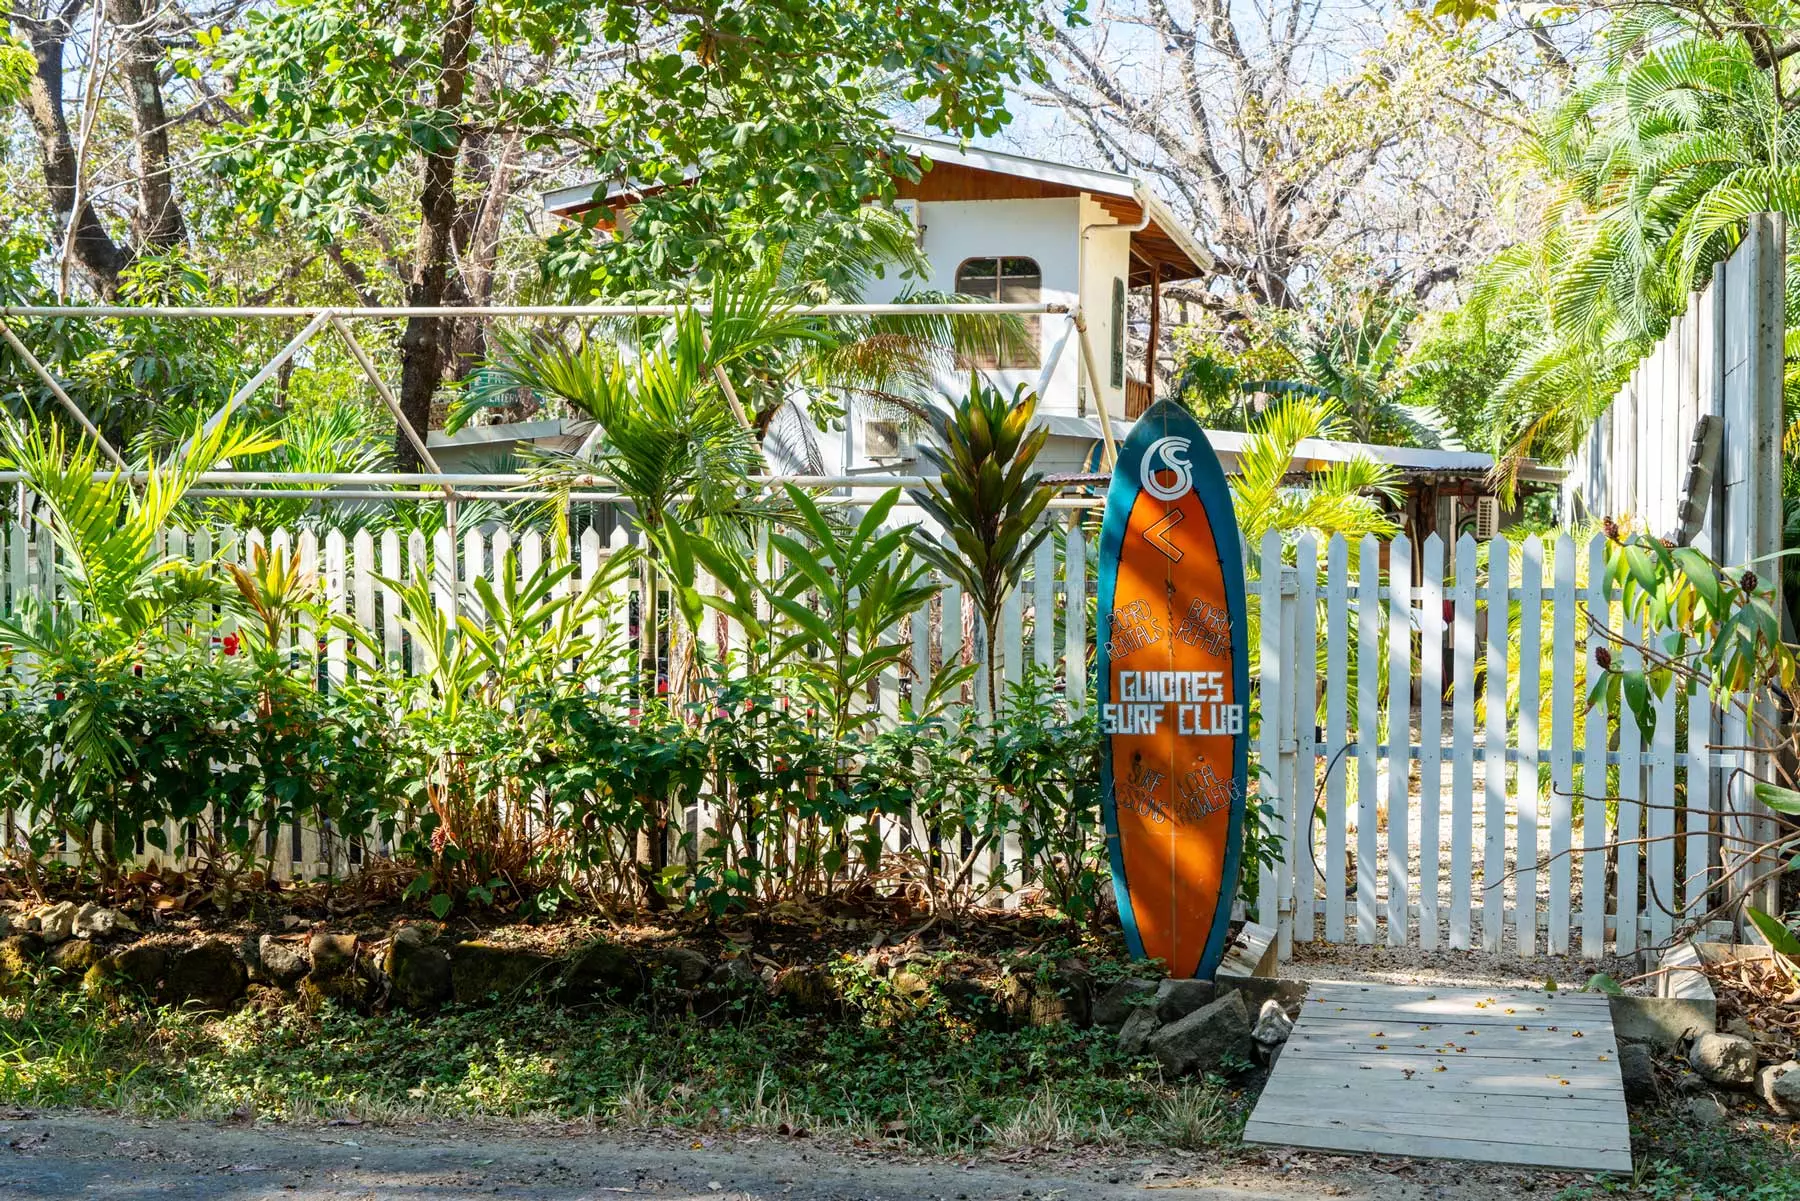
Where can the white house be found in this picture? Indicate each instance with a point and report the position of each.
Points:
(1023, 230)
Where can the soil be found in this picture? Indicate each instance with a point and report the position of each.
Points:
(53, 1156)
(788, 933)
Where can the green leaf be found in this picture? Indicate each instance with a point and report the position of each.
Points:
(1603, 983)
(441, 905)
(1782, 939)
(1781, 800)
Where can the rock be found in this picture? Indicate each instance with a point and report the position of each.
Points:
(418, 967)
(734, 973)
(971, 1001)
(1175, 999)
(19, 955)
(279, 962)
(57, 923)
(1204, 1038)
(682, 967)
(1273, 1025)
(1779, 1087)
(331, 954)
(1688, 1082)
(1739, 1026)
(480, 970)
(1704, 1109)
(1066, 998)
(208, 975)
(1638, 1073)
(74, 958)
(908, 993)
(134, 972)
(807, 990)
(92, 921)
(5, 925)
(264, 998)
(605, 971)
(1135, 1034)
(1113, 1006)
(1724, 1059)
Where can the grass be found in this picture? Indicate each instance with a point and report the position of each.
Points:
(1679, 1160)
(934, 1084)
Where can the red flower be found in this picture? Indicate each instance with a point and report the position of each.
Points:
(230, 644)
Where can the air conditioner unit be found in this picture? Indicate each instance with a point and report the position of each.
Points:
(1487, 517)
(888, 441)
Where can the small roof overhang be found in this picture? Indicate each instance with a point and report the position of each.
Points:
(1314, 453)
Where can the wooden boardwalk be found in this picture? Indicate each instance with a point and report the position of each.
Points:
(1501, 1076)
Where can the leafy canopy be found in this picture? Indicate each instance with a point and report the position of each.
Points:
(775, 113)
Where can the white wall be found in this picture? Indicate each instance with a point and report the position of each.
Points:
(1045, 230)
(1107, 258)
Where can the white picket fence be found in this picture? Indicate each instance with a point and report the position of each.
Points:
(1440, 777)
(1046, 618)
(1424, 736)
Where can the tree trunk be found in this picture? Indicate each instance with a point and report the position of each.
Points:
(101, 259)
(425, 344)
(158, 221)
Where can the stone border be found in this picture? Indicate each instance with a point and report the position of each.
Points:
(1684, 1004)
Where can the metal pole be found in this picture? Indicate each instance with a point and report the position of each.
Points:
(1093, 375)
(387, 396)
(261, 377)
(56, 389)
(372, 312)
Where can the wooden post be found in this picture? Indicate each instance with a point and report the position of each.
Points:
(1155, 331)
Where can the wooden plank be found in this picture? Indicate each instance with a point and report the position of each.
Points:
(391, 645)
(1493, 858)
(1540, 1127)
(1630, 849)
(1562, 741)
(1265, 774)
(1516, 1084)
(362, 582)
(1012, 642)
(1531, 661)
(1431, 735)
(336, 604)
(1337, 641)
(1426, 1096)
(1074, 611)
(1399, 735)
(1481, 1151)
(1302, 829)
(1368, 675)
(1662, 898)
(1697, 870)
(1470, 1043)
(1043, 606)
(1462, 771)
(1593, 773)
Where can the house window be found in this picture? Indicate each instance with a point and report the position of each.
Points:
(1118, 334)
(1003, 281)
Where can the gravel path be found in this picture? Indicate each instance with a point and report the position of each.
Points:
(81, 1155)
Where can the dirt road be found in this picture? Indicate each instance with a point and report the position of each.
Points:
(81, 1155)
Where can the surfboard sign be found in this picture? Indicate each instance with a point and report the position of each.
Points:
(1173, 691)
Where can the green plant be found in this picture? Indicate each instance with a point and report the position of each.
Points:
(988, 502)
(1045, 762)
(470, 727)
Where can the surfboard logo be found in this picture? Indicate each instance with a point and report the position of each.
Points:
(1173, 451)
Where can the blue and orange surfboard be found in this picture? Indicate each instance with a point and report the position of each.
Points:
(1173, 688)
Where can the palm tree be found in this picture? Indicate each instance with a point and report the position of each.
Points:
(1657, 161)
(1343, 498)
